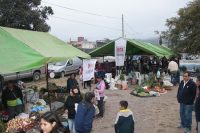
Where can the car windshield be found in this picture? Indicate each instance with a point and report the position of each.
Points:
(190, 66)
(60, 63)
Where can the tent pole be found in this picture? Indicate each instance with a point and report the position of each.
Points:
(122, 26)
(47, 86)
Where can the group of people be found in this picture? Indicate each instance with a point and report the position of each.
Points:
(82, 112)
(187, 95)
(124, 123)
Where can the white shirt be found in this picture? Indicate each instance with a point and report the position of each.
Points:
(185, 82)
(173, 66)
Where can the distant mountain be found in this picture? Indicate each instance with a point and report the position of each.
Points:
(153, 40)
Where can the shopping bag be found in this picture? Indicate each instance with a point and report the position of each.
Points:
(19, 101)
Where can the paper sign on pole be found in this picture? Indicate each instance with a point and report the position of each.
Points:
(88, 69)
(120, 49)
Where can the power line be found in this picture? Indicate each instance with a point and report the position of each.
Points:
(98, 26)
(81, 11)
(131, 29)
(82, 22)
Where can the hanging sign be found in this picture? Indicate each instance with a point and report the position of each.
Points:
(88, 69)
(120, 49)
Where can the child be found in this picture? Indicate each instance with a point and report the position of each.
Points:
(124, 122)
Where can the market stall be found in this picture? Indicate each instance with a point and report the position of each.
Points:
(28, 50)
(122, 47)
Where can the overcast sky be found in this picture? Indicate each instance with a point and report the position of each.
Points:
(141, 17)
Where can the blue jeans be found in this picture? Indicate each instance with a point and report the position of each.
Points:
(71, 123)
(175, 77)
(186, 115)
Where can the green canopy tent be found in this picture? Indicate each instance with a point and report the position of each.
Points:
(23, 50)
(133, 47)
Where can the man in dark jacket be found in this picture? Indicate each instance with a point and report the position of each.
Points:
(85, 114)
(186, 96)
(197, 105)
(71, 82)
(10, 97)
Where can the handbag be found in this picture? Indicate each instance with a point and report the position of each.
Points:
(18, 100)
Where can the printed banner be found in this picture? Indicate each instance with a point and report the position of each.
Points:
(120, 49)
(88, 69)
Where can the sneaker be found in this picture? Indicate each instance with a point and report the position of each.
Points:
(187, 130)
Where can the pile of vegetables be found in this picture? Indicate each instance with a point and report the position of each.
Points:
(19, 124)
(147, 91)
(139, 91)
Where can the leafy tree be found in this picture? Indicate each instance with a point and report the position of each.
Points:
(184, 30)
(24, 14)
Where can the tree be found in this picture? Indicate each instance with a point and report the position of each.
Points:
(184, 30)
(24, 14)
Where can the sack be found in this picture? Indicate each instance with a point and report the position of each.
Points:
(19, 101)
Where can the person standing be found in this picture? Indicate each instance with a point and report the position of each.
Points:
(197, 105)
(12, 99)
(100, 88)
(186, 96)
(124, 122)
(71, 82)
(85, 113)
(173, 69)
(71, 106)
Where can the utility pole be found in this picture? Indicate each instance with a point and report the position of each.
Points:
(122, 26)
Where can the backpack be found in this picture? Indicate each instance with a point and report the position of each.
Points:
(81, 114)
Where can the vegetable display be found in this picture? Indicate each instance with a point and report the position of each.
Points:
(19, 124)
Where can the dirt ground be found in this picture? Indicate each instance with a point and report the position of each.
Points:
(152, 114)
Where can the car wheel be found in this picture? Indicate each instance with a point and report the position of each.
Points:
(62, 75)
(36, 76)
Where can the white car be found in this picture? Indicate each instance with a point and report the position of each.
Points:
(65, 67)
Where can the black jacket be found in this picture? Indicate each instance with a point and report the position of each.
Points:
(71, 83)
(197, 107)
(186, 94)
(70, 105)
(7, 94)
